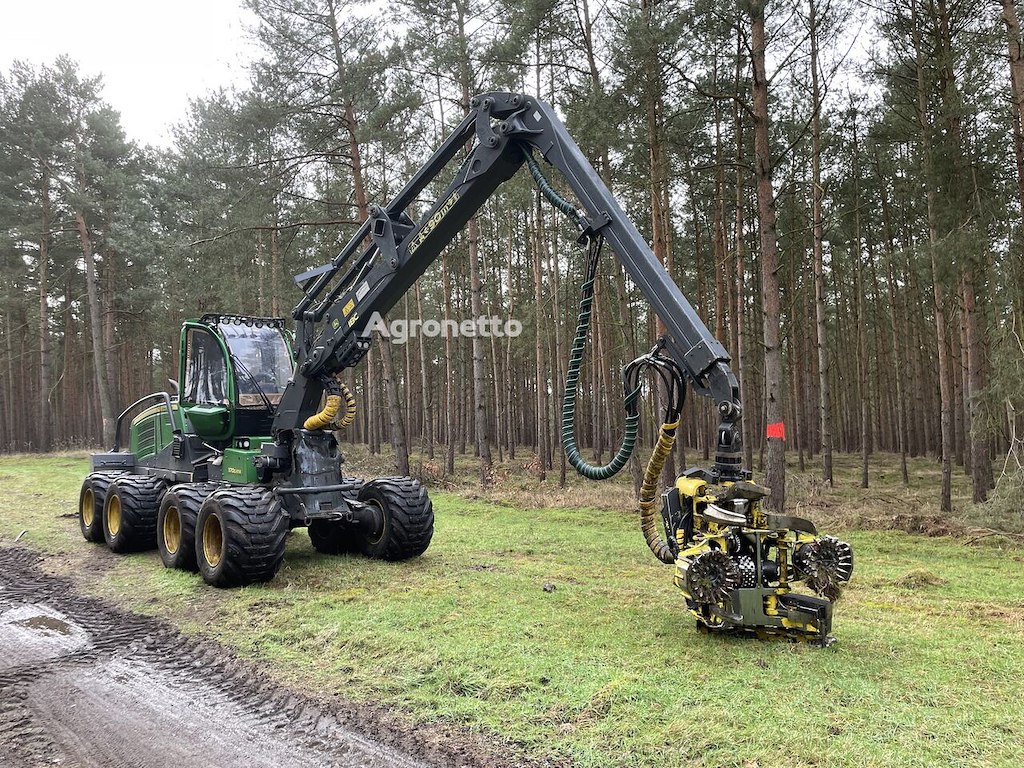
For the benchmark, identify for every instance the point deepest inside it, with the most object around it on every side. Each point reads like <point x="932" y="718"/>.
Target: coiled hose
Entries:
<point x="548" y="191"/>
<point x="572" y="377"/>
<point x="649" y="492"/>
<point x="350" y="407"/>
<point x="632" y="395"/>
<point x="331" y="406"/>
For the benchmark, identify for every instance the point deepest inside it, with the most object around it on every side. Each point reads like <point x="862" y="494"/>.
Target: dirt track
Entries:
<point x="83" y="684"/>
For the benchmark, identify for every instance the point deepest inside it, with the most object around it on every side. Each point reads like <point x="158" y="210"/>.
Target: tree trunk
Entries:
<point x="483" y="446"/>
<point x="45" y="418"/>
<point x="428" y="392"/>
<point x="275" y="270"/>
<point x="863" y="394"/>
<point x="742" y="332"/>
<point x="775" y="476"/>
<point x="543" y="420"/>
<point x="1016" y="51"/>
<point x="824" y="394"/>
<point x="449" y="371"/>
<point x="897" y="356"/>
<point x="981" y="461"/>
<point x="96" y="330"/>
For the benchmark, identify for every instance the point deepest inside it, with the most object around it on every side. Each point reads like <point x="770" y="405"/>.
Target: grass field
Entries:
<point x="607" y="669"/>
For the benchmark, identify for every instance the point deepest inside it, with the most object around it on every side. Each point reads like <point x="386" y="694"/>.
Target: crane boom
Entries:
<point x="389" y="252"/>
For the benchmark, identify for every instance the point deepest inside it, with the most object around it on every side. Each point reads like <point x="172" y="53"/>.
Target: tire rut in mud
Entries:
<point x="85" y="684"/>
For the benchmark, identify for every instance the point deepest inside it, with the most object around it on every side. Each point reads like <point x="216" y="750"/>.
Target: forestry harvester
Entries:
<point x="217" y="473"/>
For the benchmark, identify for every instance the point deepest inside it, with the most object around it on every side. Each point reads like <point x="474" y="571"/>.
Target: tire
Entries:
<point x="332" y="538"/>
<point x="407" y="518"/>
<point x="239" y="536"/>
<point x="176" y="524"/>
<point x="129" y="513"/>
<point x="90" y="504"/>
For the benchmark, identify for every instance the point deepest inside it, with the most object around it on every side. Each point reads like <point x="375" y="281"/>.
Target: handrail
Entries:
<point x="177" y="431"/>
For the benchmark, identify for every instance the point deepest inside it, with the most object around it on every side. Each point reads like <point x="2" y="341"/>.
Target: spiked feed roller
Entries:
<point x="712" y="576"/>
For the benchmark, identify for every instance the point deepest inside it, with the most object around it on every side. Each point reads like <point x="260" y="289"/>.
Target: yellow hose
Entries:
<point x="350" y="408"/>
<point x="326" y="416"/>
<point x="649" y="492"/>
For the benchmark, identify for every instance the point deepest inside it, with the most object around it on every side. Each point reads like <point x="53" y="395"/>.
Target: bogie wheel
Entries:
<point x="406" y="519"/>
<point x="129" y="512"/>
<point x="90" y="504"/>
<point x="333" y="538"/>
<point x="239" y="536"/>
<point x="176" y="524"/>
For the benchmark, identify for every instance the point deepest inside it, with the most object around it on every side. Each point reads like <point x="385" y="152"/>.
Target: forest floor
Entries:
<point x="538" y="630"/>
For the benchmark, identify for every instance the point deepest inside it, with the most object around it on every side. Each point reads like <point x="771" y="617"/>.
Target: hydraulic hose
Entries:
<point x="572" y="452"/>
<point x="668" y="371"/>
<point x="649" y="492"/>
<point x="548" y="191"/>
<point x="326" y="416"/>
<point x="350" y="407"/>
<point x="331" y="406"/>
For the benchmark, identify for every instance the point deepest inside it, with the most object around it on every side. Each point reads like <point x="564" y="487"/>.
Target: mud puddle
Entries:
<point x="84" y="684"/>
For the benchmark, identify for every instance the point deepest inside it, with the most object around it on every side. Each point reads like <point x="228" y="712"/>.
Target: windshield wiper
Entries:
<point x="252" y="379"/>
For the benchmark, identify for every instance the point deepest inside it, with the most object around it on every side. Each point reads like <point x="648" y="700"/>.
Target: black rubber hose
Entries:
<point x="632" y="393"/>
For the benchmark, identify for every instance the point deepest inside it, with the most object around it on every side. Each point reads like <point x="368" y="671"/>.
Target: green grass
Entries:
<point x="608" y="668"/>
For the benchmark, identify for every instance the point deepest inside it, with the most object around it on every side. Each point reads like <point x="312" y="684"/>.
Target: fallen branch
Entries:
<point x="984" y="533"/>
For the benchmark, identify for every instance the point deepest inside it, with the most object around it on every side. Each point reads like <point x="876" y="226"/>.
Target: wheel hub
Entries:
<point x="88" y="507"/>
<point x="114" y="515"/>
<point x="374" y="521"/>
<point x="172" y="530"/>
<point x="213" y="541"/>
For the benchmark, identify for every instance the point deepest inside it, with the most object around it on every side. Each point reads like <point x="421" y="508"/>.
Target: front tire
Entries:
<point x="129" y="513"/>
<point x="239" y="536"/>
<point x="90" y="504"/>
<point x="176" y="524"/>
<point x="406" y="518"/>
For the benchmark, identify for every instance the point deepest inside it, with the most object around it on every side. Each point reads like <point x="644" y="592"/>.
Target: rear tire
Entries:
<point x="90" y="504"/>
<point x="129" y="513"/>
<point x="407" y="518"/>
<point x="239" y="536"/>
<point x="333" y="538"/>
<point x="176" y="524"/>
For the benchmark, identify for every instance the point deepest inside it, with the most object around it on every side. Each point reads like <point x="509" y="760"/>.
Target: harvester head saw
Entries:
<point x="740" y="567"/>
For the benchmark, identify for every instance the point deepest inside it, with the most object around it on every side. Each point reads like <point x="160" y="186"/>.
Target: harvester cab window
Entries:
<point x="262" y="362"/>
<point x="206" y="376"/>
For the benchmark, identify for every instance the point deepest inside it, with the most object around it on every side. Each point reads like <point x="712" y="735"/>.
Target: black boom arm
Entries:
<point x="340" y="297"/>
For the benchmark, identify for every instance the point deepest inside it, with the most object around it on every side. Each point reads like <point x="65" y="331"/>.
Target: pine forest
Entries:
<point x="837" y="187"/>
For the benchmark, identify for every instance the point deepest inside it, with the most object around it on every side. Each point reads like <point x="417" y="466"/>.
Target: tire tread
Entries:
<point x="254" y="526"/>
<point x="411" y="517"/>
<point x="140" y="501"/>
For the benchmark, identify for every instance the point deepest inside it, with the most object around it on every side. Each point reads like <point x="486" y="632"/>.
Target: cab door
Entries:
<point x="207" y="382"/>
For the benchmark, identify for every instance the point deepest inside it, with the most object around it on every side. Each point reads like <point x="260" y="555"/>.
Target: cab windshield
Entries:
<point x="261" y="360"/>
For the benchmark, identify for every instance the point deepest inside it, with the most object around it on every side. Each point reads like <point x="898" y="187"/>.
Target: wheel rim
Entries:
<point x="172" y="530"/>
<point x="113" y="514"/>
<point x="88" y="508"/>
<point x="213" y="541"/>
<point x="376" y="536"/>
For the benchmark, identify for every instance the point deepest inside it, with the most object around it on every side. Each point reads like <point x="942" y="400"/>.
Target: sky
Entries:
<point x="153" y="56"/>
